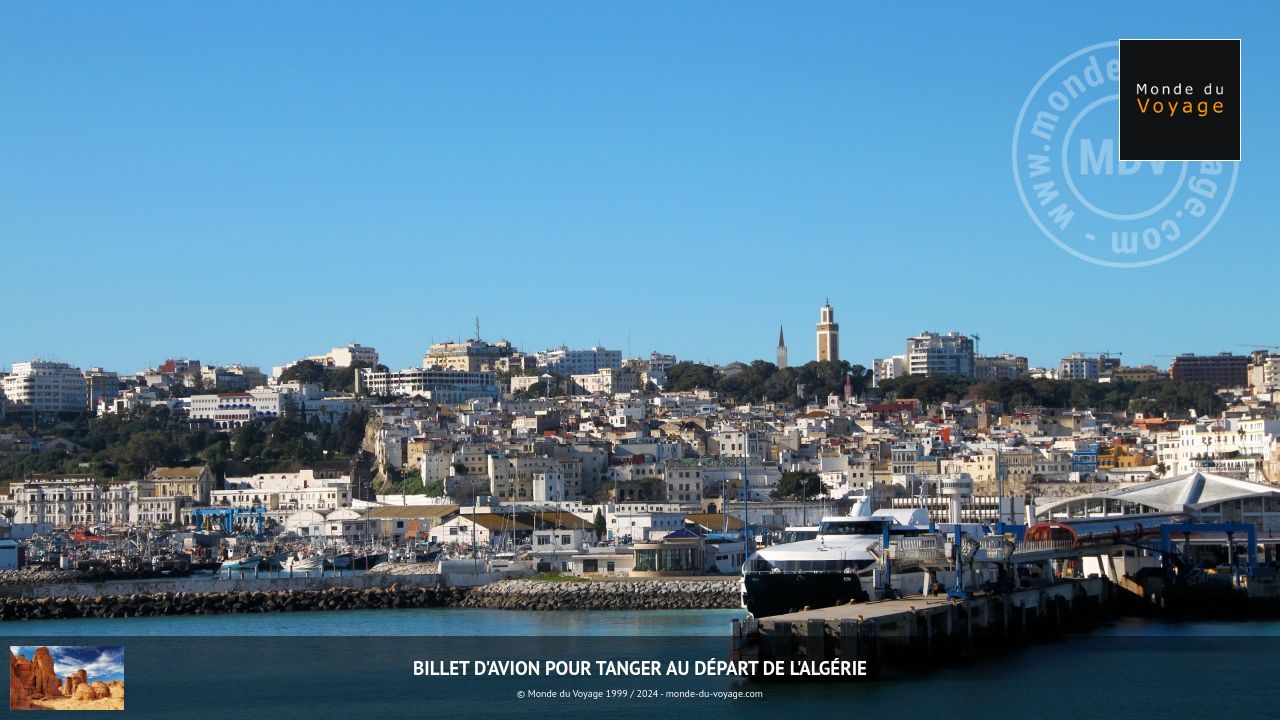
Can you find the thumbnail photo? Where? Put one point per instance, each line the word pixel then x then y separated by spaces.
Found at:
pixel 66 677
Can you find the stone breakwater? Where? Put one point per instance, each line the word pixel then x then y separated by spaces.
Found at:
pixel 212 603
pixel 33 576
pixel 694 594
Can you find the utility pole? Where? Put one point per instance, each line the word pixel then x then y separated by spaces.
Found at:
pixel 746 489
pixel 999 493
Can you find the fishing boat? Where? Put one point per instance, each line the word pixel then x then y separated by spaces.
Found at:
pixel 246 564
pixel 366 560
pixel 302 563
pixel 340 561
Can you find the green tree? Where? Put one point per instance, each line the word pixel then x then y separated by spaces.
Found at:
pixel 799 485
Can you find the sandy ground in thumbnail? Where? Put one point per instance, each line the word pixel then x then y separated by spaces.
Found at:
pixel 66 703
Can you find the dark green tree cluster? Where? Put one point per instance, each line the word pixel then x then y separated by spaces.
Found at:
pixel 127 446
pixel 799 485
pixel 1157 396
pixel 332 379
pixel 763 380
pixel 555 387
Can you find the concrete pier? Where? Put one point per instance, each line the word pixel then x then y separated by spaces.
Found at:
pixel 916 631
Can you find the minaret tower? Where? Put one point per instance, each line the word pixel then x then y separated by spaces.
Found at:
pixel 828 335
pixel 782 350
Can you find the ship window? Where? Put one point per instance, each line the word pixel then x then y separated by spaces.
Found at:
pixel 851 527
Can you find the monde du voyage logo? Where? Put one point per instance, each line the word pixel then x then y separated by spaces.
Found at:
pixel 1123 184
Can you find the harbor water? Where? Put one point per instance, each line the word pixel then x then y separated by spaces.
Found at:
pixel 321 665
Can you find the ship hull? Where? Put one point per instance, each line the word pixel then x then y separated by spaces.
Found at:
pixel 776 593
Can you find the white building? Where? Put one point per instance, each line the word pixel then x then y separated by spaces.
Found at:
pixel 638 524
pixel 346 525
pixel 564 361
pixel 889 368
pixel 1227 446
pixel 72 500
pixel 444 386
pixel 46 386
pixel 230 410
pixel 101 386
pixel 999 367
pixel 232 377
pixel 1077 366
pixel 348 355
pixel 468 356
pixel 684 483
pixel 1264 372
pixel 548 486
pixel 932 354
pixel 605 381
pixel 302 490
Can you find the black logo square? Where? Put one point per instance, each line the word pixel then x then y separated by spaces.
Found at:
pixel 1179 100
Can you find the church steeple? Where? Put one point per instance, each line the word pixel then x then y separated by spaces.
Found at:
pixel 782 350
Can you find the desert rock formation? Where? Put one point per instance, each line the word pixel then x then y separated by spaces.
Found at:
pixel 34 685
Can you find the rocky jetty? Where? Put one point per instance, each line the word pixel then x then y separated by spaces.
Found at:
pixel 691 594
pixel 682 594
pixel 210 603
pixel 36 576
pixel 390 568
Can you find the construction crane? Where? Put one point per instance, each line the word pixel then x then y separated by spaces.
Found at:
pixel 977 340
pixel 1259 346
pixel 1100 353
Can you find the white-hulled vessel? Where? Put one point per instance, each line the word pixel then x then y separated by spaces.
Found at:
pixel 829 569
pixel 302 563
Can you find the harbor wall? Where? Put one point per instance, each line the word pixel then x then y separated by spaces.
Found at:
pixel 228 601
pixel 187 596
pixel 692 593
pixel 262 583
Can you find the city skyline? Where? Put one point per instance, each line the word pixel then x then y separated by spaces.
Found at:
pixel 1241 349
pixel 290 186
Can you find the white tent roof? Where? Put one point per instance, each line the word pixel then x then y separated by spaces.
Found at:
pixel 1177 494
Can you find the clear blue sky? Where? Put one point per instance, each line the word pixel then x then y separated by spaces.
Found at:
pixel 253 182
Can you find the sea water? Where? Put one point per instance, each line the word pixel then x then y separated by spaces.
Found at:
pixel 344 664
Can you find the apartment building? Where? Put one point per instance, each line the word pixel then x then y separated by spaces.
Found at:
pixel 1221 370
pixel 444 386
pixel 46 386
pixel 930 353
pixel 467 356
pixel 564 361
